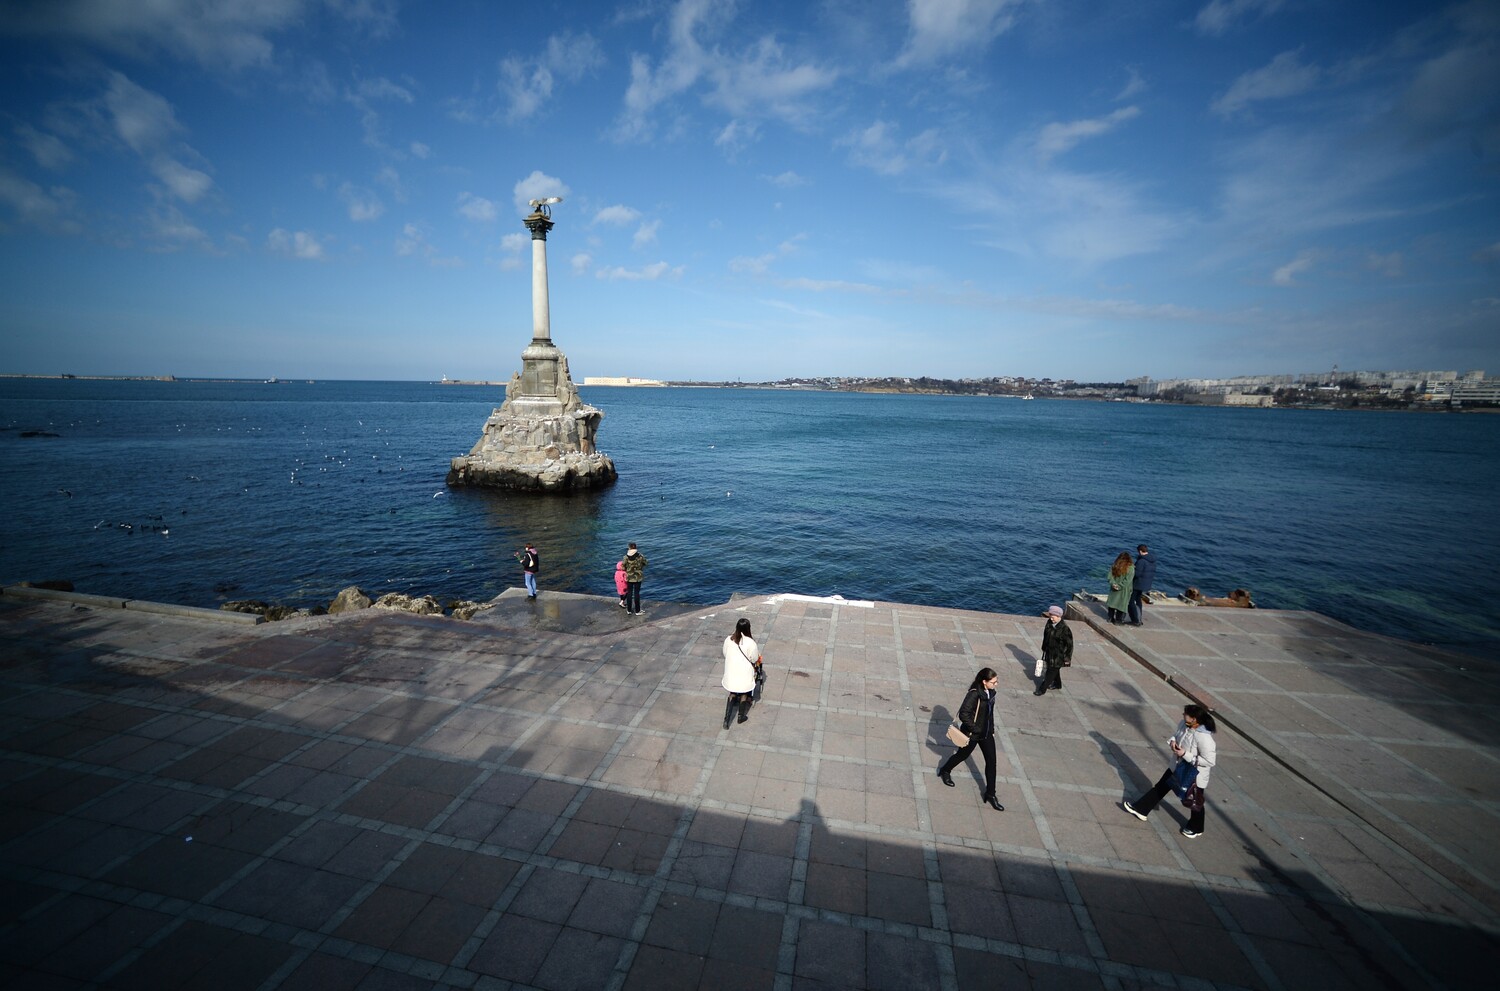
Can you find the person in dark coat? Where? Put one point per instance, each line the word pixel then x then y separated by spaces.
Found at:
pixel 1057 650
pixel 531 563
pixel 1145 575
pixel 976 719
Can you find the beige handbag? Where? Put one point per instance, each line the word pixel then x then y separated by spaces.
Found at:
pixel 956 736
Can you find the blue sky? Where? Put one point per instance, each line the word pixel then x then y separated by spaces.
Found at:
pixel 1075 189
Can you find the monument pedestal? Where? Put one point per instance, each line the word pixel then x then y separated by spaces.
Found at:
pixel 538 443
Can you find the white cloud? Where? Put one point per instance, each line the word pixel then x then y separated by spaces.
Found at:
pixel 736 136
pixel 419 150
pixel 362 96
pixel 758 265
pixel 942 29
pixel 217 34
pixel 649 273
pixel 48 150
pixel 514 243
pixel 148 126
pixel 168 230
pixel 877 148
pixel 766 82
pixel 1285 76
pixel 477 208
pixel 787 180
pixel 760 81
pixel 1058 138
pixel 618 215
pixel 1390 265
pixel 363 204
pixel 645 234
pixel 526 82
pixel 581 263
pixel 1220 15
pixel 1133 86
pixel 537 186
pixel 295 244
pixel 829 285
pixel 391 180
pixel 414 243
pixel 411 240
pixel 1286 274
pixel 45 209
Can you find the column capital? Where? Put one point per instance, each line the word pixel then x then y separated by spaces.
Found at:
pixel 539 224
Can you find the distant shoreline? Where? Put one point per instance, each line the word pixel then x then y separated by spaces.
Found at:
pixel 876 390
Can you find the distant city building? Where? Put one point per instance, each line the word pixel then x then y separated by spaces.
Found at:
pixel 618 380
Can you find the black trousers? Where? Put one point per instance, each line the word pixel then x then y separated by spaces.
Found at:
pixel 1160 790
pixel 987 747
pixel 1051 676
pixel 632 596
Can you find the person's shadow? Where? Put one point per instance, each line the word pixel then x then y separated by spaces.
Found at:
pixel 1025 659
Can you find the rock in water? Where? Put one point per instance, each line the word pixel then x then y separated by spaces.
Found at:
pixel 424 606
pixel 349 600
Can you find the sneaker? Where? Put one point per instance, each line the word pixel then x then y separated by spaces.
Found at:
pixel 641 612
pixel 621 604
pixel 1131 809
pixel 1189 833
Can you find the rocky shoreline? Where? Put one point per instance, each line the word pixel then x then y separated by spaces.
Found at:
pixel 354 598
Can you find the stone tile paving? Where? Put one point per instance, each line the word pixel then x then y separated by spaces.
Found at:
pixel 384 801
pixel 1403 736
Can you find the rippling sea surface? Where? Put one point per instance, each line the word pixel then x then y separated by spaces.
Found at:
pixel 291 491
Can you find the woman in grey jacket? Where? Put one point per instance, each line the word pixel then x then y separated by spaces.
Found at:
pixel 1192 745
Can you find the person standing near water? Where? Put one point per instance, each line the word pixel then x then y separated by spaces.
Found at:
pixel 1145 575
pixel 620 583
pixel 635 573
pixel 531 561
pixel 741 663
pixel 1121 579
pixel 976 720
pixel 1057 650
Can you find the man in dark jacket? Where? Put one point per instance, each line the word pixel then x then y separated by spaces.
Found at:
pixel 1145 574
pixel 531 563
pixel 1057 650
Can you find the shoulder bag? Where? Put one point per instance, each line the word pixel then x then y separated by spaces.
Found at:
pixel 760 674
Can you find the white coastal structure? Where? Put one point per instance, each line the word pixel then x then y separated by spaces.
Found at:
pixel 542 437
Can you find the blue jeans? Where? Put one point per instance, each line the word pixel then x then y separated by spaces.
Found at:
pixel 531 583
pixel 1135 604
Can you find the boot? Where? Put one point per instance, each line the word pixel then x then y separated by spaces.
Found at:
pixel 744 710
pixel 728 711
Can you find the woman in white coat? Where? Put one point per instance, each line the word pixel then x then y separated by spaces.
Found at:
pixel 741 664
pixel 1194 748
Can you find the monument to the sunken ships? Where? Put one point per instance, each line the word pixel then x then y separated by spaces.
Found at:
pixel 541 438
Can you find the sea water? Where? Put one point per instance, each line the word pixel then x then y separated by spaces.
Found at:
pixel 198 492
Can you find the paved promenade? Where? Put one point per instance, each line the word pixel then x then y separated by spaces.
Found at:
pixel 381 801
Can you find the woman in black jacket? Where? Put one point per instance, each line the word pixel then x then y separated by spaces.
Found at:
pixel 976 719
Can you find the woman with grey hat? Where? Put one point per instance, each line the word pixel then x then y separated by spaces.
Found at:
pixel 1057 650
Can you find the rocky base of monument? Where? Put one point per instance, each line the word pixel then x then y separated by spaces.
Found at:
pixel 563 473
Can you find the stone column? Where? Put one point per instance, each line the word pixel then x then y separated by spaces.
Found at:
pixel 541 313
